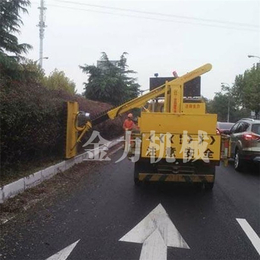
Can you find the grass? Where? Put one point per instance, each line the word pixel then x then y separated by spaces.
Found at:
pixel 23 169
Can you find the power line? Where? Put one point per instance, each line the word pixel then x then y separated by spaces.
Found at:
pixel 226 26
pixel 159 14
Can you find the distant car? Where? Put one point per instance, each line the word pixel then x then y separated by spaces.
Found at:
pixel 223 126
pixel 245 142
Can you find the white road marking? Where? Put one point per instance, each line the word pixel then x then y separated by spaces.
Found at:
pixel 156 231
pixel 254 238
pixel 154 247
pixel 64 253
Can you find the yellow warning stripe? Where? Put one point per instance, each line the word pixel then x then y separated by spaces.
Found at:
pixel 176 177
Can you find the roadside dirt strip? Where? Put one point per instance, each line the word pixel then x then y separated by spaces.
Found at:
pixel 58 185
pixel 19 186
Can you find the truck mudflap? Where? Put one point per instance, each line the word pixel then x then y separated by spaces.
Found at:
pixel 189 178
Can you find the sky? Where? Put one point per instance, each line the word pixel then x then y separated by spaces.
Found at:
pixel 159 37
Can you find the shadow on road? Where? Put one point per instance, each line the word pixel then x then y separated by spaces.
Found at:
pixel 174 190
pixel 249 168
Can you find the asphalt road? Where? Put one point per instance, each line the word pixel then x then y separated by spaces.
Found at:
pixel 105 206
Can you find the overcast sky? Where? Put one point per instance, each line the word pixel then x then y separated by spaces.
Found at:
pixel 159 37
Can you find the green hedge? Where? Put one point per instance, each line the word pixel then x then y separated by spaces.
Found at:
pixel 33 125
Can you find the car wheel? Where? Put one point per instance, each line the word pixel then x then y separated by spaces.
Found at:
pixel 238 164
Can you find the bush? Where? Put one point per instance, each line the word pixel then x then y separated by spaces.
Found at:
pixel 33 125
pixel 30 125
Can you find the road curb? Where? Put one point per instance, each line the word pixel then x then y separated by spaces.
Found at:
pixel 12 189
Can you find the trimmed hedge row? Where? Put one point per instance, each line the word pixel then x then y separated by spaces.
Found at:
pixel 32 122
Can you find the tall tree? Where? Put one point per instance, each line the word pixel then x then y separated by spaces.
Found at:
pixel 219 105
pixel 110 81
pixel 10 49
pixel 247 89
pixel 10 23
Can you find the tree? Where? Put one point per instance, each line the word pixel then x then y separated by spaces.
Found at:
pixel 10 50
pixel 10 22
pixel 247 89
pixel 58 80
pixel 32 72
pixel 109 82
pixel 219 106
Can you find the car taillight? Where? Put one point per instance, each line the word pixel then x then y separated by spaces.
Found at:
pixel 250 137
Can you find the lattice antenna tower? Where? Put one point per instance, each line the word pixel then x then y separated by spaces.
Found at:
pixel 41 26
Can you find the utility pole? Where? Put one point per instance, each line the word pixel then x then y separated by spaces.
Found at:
pixel 41 26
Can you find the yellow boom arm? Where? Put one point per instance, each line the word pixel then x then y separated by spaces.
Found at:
pixel 72 137
pixel 140 101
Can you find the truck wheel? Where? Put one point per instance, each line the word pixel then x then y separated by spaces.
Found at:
pixel 209 186
pixel 211 170
pixel 137 182
pixel 238 163
pixel 142 166
pixel 138 169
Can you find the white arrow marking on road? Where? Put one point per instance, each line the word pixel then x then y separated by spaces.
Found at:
pixel 154 247
pixel 254 238
pixel 156 231
pixel 64 253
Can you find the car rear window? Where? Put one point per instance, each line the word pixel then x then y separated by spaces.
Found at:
pixel 225 125
pixel 256 128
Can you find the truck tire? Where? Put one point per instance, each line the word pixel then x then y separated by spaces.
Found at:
pixel 238 163
pixel 209 186
pixel 211 170
pixel 142 166
pixel 137 170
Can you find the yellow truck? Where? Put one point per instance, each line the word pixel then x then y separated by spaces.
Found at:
pixel 177 139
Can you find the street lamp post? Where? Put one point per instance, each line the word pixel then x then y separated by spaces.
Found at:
pixel 40 59
pixel 228 87
pixel 253 56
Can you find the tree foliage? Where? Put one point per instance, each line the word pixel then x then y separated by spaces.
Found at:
pixel 34 73
pixel 10 49
pixel 219 105
pixel 26 71
pixel 58 81
pixel 110 82
pixel 10 23
pixel 242 98
pixel 247 89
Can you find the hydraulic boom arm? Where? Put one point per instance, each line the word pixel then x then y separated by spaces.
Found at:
pixel 114 112
pixel 140 101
